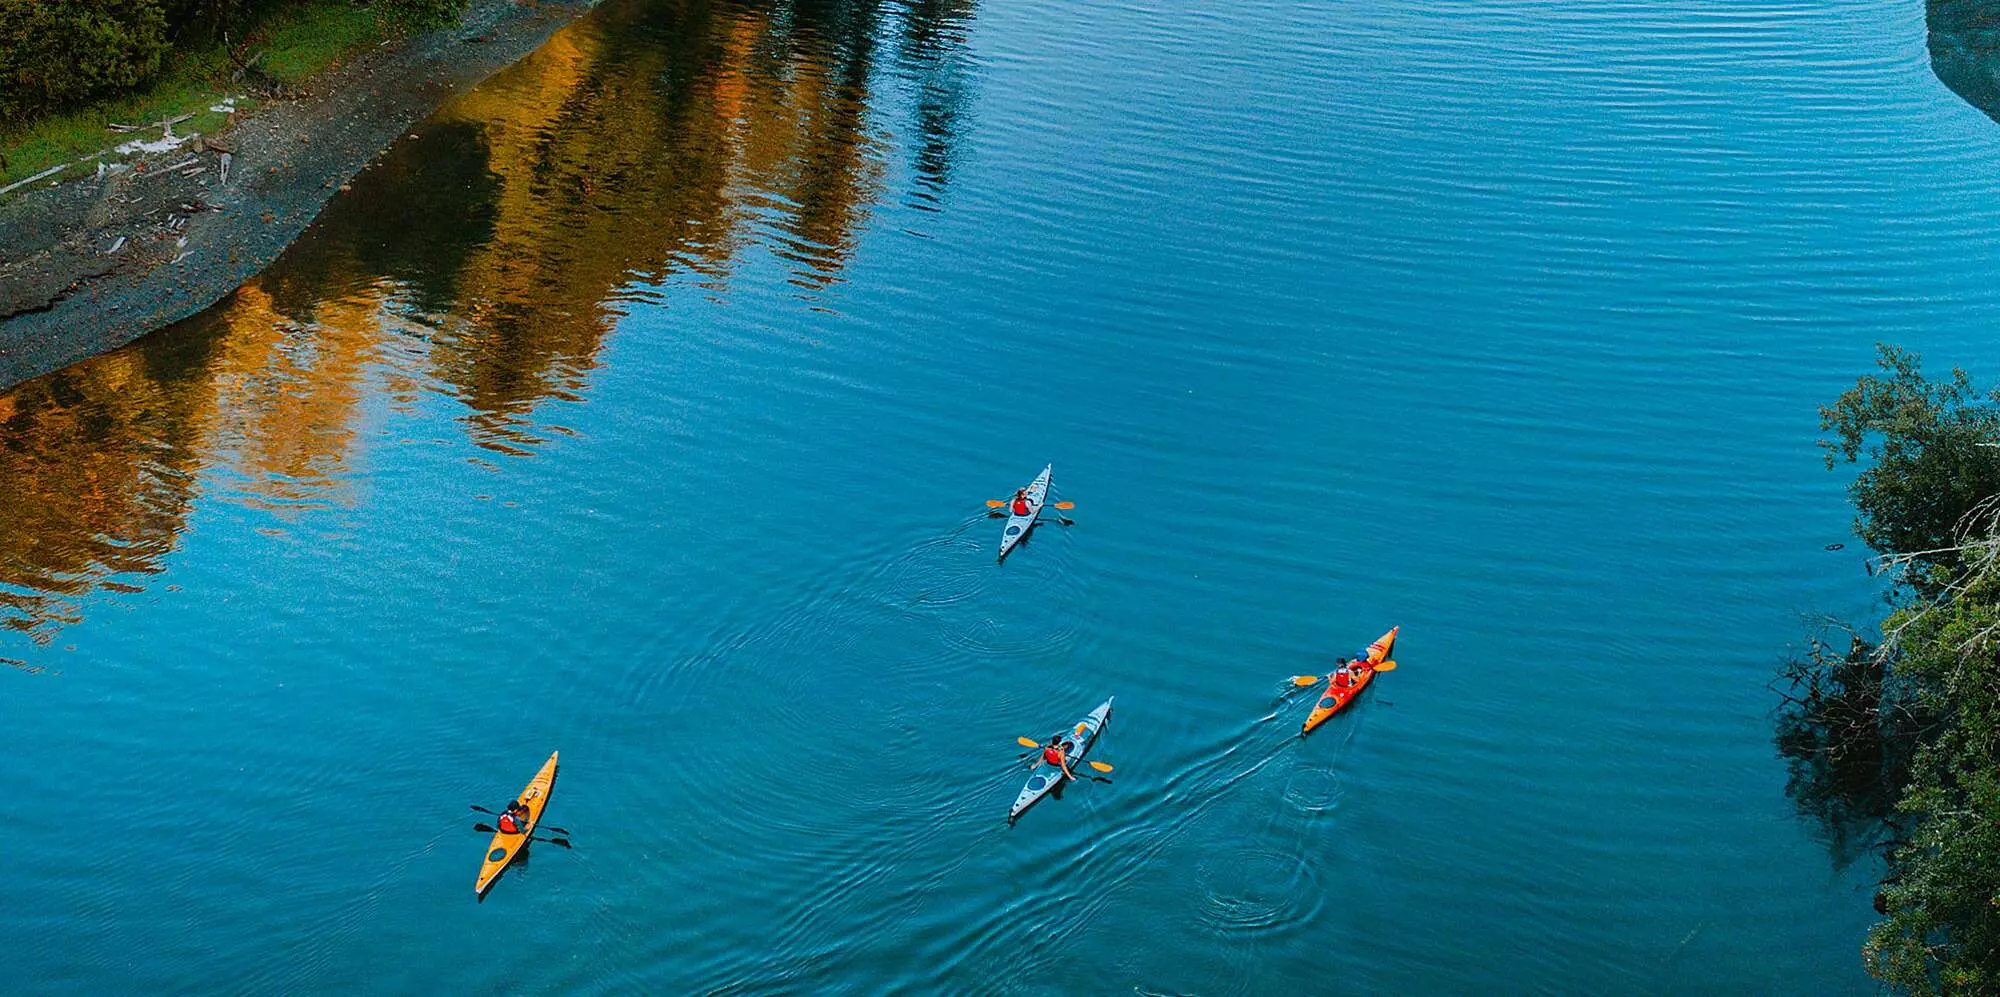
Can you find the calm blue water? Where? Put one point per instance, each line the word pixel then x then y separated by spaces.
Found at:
pixel 644 405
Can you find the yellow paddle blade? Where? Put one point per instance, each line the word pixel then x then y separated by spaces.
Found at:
pixel 1027 742
pixel 1065 505
pixel 1385 666
pixel 1305 680
pixel 994 503
pixel 1100 766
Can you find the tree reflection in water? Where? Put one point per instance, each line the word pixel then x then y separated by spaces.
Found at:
pixel 486 259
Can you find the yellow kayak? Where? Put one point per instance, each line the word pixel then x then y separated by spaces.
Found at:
pixel 505 846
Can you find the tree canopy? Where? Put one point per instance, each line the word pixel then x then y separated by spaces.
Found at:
pixel 1914 715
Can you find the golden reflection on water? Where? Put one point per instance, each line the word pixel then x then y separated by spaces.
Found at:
pixel 485 259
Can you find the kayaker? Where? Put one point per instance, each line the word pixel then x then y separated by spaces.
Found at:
pixel 1055 755
pixel 515 819
pixel 1340 677
pixel 1021 506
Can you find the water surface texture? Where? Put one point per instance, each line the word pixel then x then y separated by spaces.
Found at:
pixel 643 405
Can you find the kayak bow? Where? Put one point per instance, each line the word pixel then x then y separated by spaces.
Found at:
pixel 1018 526
pixel 1335 697
pixel 505 846
pixel 1046 777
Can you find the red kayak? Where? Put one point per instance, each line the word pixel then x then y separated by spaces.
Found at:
pixel 1338 696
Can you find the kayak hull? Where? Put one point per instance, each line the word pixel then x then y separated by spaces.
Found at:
pixel 1045 777
pixel 1017 527
pixel 1334 698
pixel 501 851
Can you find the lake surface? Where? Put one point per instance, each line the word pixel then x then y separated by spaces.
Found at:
pixel 643 405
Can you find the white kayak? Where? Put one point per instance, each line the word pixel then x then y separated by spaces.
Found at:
pixel 1046 777
pixel 1018 526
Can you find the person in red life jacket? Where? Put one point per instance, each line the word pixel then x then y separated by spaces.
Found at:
pixel 1021 506
pixel 1359 667
pixel 1340 679
pixel 515 820
pixel 1055 755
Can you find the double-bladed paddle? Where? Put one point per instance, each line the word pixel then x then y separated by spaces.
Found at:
pixel 489 829
pixel 1029 742
pixel 552 827
pixel 999 505
pixel 1306 680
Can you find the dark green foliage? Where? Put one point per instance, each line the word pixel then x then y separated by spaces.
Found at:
pixel 55 53
pixel 1943 892
pixel 422 15
pixel 1929 468
pixel 1918 716
pixel 192 23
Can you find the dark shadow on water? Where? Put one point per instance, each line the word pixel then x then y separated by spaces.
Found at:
pixel 415 216
pixel 1848 734
pixel 932 53
pixel 1964 41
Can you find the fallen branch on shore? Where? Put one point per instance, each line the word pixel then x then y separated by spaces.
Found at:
pixel 244 67
pixel 164 170
pixel 51 171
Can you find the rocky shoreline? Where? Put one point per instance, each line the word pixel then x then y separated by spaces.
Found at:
pixel 89 265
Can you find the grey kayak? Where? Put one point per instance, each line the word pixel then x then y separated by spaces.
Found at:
pixel 1018 526
pixel 1046 777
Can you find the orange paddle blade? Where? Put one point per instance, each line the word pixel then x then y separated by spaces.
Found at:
pixel 1065 505
pixel 1027 742
pixel 1305 680
pixel 1101 766
pixel 1385 666
pixel 994 503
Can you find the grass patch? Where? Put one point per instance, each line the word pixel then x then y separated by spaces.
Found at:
pixel 298 41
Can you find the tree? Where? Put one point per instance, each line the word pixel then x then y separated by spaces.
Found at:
pixel 1930 465
pixel 1929 690
pixel 55 53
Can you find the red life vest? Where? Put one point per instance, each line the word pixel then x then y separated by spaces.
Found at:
pixel 509 825
pixel 1053 755
pixel 1021 507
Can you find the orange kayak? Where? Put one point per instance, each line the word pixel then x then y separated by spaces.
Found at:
pixel 1337 696
pixel 505 846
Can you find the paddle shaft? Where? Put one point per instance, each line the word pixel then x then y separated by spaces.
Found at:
pixel 552 827
pixel 1031 743
pixel 1385 665
pixel 488 829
